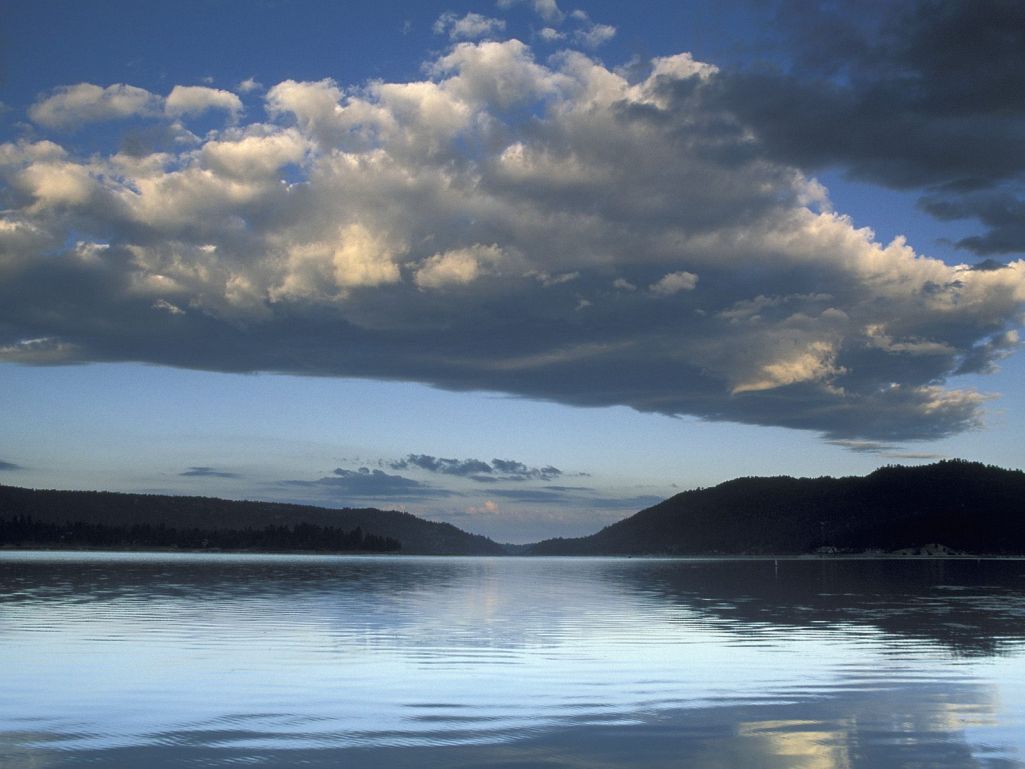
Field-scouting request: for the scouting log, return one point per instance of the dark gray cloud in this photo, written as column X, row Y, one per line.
column 927, row 95
column 466, row 468
column 365, row 483
column 477, row 469
column 1001, row 211
column 207, row 472
column 9, row 466
column 511, row 470
column 649, row 242
column 982, row 358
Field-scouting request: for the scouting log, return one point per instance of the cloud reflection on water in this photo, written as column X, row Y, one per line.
column 164, row 660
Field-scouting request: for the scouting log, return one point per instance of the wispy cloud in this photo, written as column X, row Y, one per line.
column 207, row 472
column 9, row 466
column 590, row 34
column 862, row 447
column 887, row 450
column 472, row 26
column 547, row 10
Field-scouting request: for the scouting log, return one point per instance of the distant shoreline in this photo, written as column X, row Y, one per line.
column 952, row 509
column 186, row 550
column 802, row 557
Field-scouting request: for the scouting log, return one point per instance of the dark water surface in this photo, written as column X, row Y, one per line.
column 168, row 660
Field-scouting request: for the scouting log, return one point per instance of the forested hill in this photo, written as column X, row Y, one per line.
column 108, row 514
column 964, row 506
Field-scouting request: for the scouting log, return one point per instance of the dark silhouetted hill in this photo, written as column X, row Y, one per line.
column 269, row 525
column 965, row 506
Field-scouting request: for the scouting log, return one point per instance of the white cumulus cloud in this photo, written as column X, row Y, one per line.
column 71, row 105
column 544, row 227
column 196, row 99
column 674, row 283
column 459, row 266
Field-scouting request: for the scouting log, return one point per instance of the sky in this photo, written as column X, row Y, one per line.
column 524, row 266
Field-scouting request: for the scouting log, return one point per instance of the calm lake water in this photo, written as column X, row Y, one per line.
column 168, row 660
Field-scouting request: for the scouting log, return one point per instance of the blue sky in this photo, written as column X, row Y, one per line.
column 523, row 266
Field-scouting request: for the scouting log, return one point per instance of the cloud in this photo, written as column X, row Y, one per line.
column 670, row 284
column 514, row 470
column 166, row 306
column 39, row 351
column 364, row 484
column 861, row 446
column 71, row 105
column 207, row 472
column 74, row 105
column 548, row 10
column 469, row 27
column 196, row 99
column 590, row 34
column 504, row 511
column 1000, row 210
column 456, row 267
column 459, row 467
column 552, row 230
column 477, row 469
column 889, row 94
column 551, row 35
column 249, row 85
column 9, row 466
column 983, row 357
column 251, row 155
column 594, row 35
column 539, row 496
column 924, row 456
column 887, row 450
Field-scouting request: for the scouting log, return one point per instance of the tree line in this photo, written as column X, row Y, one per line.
column 23, row 531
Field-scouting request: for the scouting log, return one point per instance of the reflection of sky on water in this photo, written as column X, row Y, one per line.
column 140, row 659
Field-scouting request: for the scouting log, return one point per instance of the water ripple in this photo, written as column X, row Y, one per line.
column 237, row 658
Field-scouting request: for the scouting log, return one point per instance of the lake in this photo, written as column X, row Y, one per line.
column 216, row 660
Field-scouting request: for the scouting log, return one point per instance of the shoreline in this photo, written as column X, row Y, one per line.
column 805, row 557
